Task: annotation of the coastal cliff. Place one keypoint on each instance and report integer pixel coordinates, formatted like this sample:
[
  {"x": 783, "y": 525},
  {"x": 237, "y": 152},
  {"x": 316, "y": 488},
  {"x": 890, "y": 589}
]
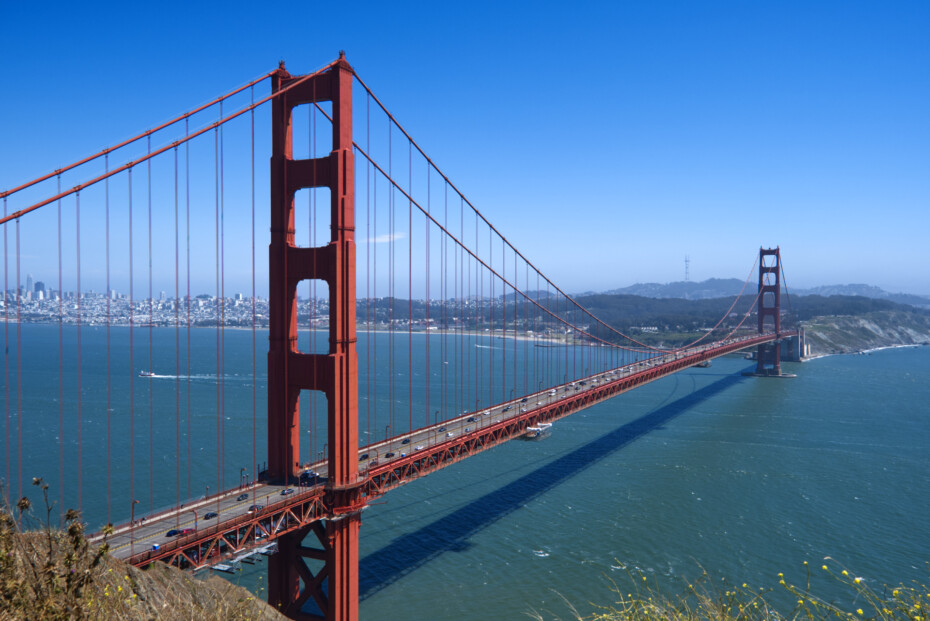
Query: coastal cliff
[{"x": 843, "y": 334}]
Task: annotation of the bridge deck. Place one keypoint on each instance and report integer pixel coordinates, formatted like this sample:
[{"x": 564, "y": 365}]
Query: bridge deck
[{"x": 253, "y": 516}]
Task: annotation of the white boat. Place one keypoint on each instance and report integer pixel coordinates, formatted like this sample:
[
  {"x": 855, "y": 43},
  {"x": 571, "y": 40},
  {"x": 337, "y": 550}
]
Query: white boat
[
  {"x": 537, "y": 431},
  {"x": 146, "y": 374}
]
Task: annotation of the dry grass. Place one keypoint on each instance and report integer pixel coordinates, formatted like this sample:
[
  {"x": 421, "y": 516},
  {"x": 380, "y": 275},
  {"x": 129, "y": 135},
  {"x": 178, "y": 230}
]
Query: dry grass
[{"x": 52, "y": 574}]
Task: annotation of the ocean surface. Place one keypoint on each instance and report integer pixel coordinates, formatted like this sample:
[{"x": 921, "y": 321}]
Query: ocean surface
[{"x": 705, "y": 470}]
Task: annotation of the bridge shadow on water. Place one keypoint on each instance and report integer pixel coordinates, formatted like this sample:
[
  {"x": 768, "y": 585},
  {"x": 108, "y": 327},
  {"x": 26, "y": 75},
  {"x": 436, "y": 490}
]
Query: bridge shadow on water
[{"x": 451, "y": 532}]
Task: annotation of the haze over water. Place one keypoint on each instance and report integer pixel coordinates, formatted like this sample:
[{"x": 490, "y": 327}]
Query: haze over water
[{"x": 741, "y": 476}]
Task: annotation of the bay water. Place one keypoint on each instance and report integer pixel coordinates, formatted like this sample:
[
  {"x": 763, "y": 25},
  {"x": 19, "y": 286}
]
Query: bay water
[{"x": 705, "y": 470}]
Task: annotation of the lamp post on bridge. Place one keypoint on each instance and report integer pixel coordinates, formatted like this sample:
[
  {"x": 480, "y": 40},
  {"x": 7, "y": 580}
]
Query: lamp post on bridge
[{"x": 132, "y": 527}]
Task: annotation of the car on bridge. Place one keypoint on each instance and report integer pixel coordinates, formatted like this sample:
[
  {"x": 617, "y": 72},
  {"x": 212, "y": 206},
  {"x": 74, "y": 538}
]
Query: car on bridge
[
  {"x": 287, "y": 491},
  {"x": 179, "y": 532},
  {"x": 241, "y": 497},
  {"x": 405, "y": 441},
  {"x": 255, "y": 508},
  {"x": 209, "y": 515}
]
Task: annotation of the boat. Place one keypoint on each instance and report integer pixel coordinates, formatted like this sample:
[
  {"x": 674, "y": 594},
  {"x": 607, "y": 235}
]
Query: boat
[
  {"x": 146, "y": 374},
  {"x": 537, "y": 431},
  {"x": 703, "y": 364}
]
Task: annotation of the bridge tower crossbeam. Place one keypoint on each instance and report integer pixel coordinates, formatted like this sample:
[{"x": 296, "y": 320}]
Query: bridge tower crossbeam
[{"x": 334, "y": 588}]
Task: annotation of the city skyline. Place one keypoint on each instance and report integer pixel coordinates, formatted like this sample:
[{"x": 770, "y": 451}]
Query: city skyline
[{"x": 675, "y": 130}]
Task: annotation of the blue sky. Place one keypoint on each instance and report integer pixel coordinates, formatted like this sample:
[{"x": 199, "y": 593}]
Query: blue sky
[{"x": 606, "y": 140}]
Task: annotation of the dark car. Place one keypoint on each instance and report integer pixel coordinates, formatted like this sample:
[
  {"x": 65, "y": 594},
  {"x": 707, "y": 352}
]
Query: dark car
[
  {"x": 471, "y": 419},
  {"x": 179, "y": 532},
  {"x": 442, "y": 429},
  {"x": 289, "y": 490},
  {"x": 389, "y": 455},
  {"x": 255, "y": 508},
  {"x": 363, "y": 457},
  {"x": 210, "y": 515},
  {"x": 241, "y": 497},
  {"x": 507, "y": 409},
  {"x": 405, "y": 441},
  {"x": 523, "y": 400},
  {"x": 309, "y": 479}
]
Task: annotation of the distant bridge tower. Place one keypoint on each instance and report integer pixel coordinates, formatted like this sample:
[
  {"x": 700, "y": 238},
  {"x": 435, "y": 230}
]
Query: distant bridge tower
[
  {"x": 769, "y": 308},
  {"x": 334, "y": 588}
]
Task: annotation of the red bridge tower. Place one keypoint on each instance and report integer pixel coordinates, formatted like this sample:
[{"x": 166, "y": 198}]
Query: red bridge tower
[
  {"x": 769, "y": 307},
  {"x": 334, "y": 588}
]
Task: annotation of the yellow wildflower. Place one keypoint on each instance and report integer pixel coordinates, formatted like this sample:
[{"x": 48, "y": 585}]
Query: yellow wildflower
[
  {"x": 824, "y": 567},
  {"x": 845, "y": 573},
  {"x": 859, "y": 611}
]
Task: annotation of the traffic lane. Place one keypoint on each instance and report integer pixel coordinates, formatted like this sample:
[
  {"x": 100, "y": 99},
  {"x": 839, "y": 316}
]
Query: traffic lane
[{"x": 148, "y": 532}]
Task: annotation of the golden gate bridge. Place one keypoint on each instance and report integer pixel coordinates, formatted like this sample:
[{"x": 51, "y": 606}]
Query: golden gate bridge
[{"x": 478, "y": 346}]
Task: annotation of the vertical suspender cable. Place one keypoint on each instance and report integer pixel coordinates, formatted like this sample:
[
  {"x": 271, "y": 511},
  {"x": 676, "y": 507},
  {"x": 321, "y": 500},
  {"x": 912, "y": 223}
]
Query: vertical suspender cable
[
  {"x": 373, "y": 355},
  {"x": 151, "y": 323},
  {"x": 254, "y": 367},
  {"x": 216, "y": 230},
  {"x": 6, "y": 349},
  {"x": 368, "y": 276},
  {"x": 177, "y": 342},
  {"x": 427, "y": 331},
  {"x": 222, "y": 371},
  {"x": 187, "y": 323},
  {"x": 132, "y": 375},
  {"x": 106, "y": 163},
  {"x": 80, "y": 445},
  {"x": 19, "y": 374},
  {"x": 391, "y": 290},
  {"x": 409, "y": 288},
  {"x": 61, "y": 376}
]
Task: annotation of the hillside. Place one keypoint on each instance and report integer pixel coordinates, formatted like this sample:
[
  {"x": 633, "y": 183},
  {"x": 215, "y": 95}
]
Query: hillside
[
  {"x": 848, "y": 334},
  {"x": 54, "y": 574}
]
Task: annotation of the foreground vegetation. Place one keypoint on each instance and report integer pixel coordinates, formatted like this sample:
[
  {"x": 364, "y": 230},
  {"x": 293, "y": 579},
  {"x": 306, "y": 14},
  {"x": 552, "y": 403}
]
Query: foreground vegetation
[
  {"x": 857, "y": 601},
  {"x": 48, "y": 573}
]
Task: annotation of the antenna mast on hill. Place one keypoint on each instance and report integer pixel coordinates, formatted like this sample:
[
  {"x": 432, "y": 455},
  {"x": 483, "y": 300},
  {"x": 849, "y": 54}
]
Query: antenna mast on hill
[{"x": 687, "y": 268}]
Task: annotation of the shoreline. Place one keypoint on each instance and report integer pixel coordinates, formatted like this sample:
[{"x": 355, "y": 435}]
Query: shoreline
[{"x": 866, "y": 351}]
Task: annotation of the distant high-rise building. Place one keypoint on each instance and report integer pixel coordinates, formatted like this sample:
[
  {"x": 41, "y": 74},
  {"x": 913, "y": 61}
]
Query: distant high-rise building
[
  {"x": 40, "y": 287},
  {"x": 29, "y": 287},
  {"x": 161, "y": 296}
]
